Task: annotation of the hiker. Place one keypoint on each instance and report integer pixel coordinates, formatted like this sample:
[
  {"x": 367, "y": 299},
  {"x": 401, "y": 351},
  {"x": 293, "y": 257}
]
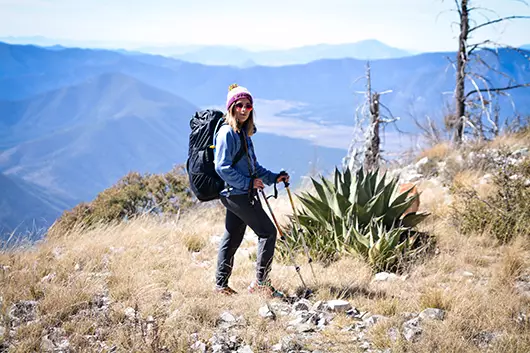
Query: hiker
[{"x": 243, "y": 180}]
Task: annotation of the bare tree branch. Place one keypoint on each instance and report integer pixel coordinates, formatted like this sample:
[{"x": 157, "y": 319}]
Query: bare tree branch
[
  {"x": 497, "y": 89},
  {"x": 498, "y": 20}
]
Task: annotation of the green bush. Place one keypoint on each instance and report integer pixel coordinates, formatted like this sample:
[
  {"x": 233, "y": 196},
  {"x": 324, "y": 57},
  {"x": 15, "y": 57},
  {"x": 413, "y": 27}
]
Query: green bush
[
  {"x": 505, "y": 213},
  {"x": 359, "y": 213},
  {"x": 132, "y": 195}
]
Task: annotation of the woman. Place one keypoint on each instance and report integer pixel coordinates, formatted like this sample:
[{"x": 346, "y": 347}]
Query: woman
[{"x": 243, "y": 179}]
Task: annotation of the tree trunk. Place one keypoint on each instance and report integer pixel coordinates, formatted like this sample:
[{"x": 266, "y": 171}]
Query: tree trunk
[
  {"x": 461, "y": 61},
  {"x": 371, "y": 159}
]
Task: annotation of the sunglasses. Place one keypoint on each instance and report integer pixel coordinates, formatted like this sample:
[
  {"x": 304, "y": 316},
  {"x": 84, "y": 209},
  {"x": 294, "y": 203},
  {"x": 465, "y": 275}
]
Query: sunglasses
[{"x": 247, "y": 106}]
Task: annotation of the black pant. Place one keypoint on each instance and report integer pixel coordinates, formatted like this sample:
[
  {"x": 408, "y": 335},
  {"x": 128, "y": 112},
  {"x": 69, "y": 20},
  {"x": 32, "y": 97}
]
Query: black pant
[{"x": 240, "y": 213}]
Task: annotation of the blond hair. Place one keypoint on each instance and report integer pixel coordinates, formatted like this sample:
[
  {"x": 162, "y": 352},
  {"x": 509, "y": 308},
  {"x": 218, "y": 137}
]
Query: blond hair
[{"x": 248, "y": 125}]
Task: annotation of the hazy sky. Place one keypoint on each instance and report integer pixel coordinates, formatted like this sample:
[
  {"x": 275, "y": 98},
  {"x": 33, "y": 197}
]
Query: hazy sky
[{"x": 423, "y": 25}]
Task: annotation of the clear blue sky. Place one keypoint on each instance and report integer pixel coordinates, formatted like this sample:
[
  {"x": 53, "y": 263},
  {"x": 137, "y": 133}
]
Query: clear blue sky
[{"x": 409, "y": 24}]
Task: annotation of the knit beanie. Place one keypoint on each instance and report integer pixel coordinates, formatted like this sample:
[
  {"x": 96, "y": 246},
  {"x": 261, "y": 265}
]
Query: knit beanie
[{"x": 236, "y": 92}]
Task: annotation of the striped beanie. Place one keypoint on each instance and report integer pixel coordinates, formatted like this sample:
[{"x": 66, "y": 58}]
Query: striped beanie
[{"x": 236, "y": 92}]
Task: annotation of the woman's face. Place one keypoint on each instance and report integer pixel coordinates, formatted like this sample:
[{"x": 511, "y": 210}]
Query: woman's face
[{"x": 242, "y": 109}]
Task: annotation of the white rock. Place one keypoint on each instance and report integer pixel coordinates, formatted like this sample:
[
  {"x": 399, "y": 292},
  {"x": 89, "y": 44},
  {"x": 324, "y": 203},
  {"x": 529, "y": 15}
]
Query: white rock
[
  {"x": 130, "y": 313},
  {"x": 422, "y": 161},
  {"x": 199, "y": 347},
  {"x": 265, "y": 312},
  {"x": 432, "y": 314},
  {"x": 318, "y": 305},
  {"x": 277, "y": 347},
  {"x": 227, "y": 317},
  {"x": 245, "y": 349},
  {"x": 46, "y": 344},
  {"x": 374, "y": 319},
  {"x": 338, "y": 305},
  {"x": 2, "y": 332},
  {"x": 412, "y": 329},
  {"x": 385, "y": 276}
]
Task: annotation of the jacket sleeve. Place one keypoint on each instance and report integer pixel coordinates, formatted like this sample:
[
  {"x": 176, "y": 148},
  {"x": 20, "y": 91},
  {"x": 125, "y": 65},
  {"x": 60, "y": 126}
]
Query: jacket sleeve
[{"x": 225, "y": 151}]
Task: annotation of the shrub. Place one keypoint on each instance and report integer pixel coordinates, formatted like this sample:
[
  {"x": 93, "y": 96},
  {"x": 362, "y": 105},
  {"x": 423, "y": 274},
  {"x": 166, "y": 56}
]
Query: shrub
[
  {"x": 132, "y": 195},
  {"x": 506, "y": 212},
  {"x": 360, "y": 214}
]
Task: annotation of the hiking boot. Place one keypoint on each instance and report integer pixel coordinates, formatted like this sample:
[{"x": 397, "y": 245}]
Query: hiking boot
[
  {"x": 265, "y": 288},
  {"x": 225, "y": 290}
]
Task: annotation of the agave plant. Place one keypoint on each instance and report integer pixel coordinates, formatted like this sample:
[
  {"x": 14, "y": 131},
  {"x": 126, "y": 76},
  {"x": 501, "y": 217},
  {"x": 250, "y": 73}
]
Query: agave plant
[{"x": 361, "y": 213}]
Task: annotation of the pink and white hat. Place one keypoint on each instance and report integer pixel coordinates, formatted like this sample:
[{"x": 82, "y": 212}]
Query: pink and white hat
[{"x": 236, "y": 92}]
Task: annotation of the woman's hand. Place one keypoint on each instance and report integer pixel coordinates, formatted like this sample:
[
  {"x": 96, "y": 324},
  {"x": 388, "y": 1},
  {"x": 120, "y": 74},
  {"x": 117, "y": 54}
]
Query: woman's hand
[
  {"x": 258, "y": 184},
  {"x": 283, "y": 177}
]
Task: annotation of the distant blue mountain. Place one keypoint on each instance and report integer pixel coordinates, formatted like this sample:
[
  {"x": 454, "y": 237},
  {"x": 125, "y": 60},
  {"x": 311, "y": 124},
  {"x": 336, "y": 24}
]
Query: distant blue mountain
[
  {"x": 233, "y": 56},
  {"x": 421, "y": 85},
  {"x": 26, "y": 209},
  {"x": 73, "y": 142}
]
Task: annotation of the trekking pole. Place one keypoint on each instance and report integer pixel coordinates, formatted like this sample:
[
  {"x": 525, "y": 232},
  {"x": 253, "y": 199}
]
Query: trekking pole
[
  {"x": 282, "y": 237},
  {"x": 300, "y": 230}
]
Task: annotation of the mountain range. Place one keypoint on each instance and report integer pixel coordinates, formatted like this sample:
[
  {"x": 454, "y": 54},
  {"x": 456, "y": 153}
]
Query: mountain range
[
  {"x": 73, "y": 121},
  {"x": 221, "y": 55},
  {"x": 236, "y": 56}
]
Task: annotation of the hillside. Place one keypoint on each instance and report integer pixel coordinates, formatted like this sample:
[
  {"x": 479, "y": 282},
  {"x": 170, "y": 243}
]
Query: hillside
[
  {"x": 27, "y": 210},
  {"x": 146, "y": 284},
  {"x": 79, "y": 140}
]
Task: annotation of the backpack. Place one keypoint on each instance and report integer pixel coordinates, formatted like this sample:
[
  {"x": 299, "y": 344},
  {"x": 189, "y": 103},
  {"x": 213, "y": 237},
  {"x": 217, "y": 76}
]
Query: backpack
[{"x": 205, "y": 183}]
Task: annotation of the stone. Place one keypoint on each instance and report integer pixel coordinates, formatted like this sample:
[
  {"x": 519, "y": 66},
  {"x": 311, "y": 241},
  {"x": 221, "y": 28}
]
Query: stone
[
  {"x": 46, "y": 344},
  {"x": 484, "y": 339},
  {"x": 365, "y": 345},
  {"x": 291, "y": 343},
  {"x": 265, "y": 312},
  {"x": 412, "y": 329},
  {"x": 353, "y": 312},
  {"x": 305, "y": 327},
  {"x": 277, "y": 347},
  {"x": 23, "y": 311},
  {"x": 385, "y": 276},
  {"x": 245, "y": 349},
  {"x": 130, "y": 313},
  {"x": 374, "y": 319},
  {"x": 319, "y": 305},
  {"x": 302, "y": 304},
  {"x": 432, "y": 314},
  {"x": 226, "y": 320},
  {"x": 522, "y": 285},
  {"x": 393, "y": 334},
  {"x": 199, "y": 347},
  {"x": 227, "y": 317},
  {"x": 338, "y": 305}
]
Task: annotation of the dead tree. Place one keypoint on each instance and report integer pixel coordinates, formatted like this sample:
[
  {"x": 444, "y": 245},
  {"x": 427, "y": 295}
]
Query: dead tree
[
  {"x": 365, "y": 148},
  {"x": 467, "y": 51}
]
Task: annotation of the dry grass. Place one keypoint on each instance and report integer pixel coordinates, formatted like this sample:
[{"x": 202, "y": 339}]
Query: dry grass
[
  {"x": 517, "y": 140},
  {"x": 439, "y": 151},
  {"x": 164, "y": 269}
]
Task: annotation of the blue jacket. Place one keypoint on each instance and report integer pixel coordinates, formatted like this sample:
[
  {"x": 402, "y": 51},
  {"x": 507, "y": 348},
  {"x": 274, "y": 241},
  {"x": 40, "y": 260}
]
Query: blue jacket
[{"x": 237, "y": 178}]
